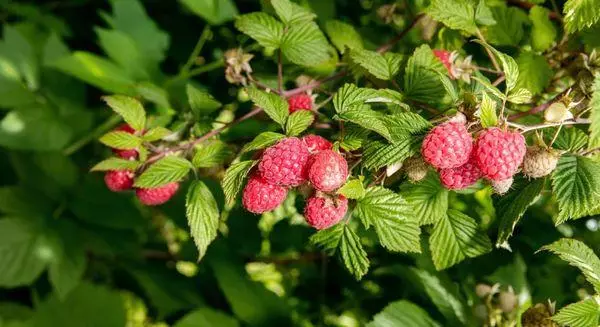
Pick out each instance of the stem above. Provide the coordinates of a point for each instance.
(525, 128)
(279, 72)
(196, 71)
(539, 108)
(388, 46)
(314, 84)
(197, 48)
(499, 80)
(488, 70)
(556, 134)
(489, 53)
(109, 124)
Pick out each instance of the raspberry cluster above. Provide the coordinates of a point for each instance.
(122, 180)
(300, 101)
(495, 155)
(293, 162)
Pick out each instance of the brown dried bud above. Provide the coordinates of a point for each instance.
(237, 62)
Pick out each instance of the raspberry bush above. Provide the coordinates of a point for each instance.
(300, 163)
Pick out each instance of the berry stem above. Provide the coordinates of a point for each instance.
(279, 72)
(525, 128)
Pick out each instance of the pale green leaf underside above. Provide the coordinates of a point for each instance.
(581, 14)
(202, 215)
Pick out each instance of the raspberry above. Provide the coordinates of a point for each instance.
(328, 171)
(322, 211)
(284, 164)
(461, 177)
(499, 153)
(300, 102)
(501, 187)
(260, 196)
(316, 143)
(444, 57)
(126, 154)
(539, 162)
(157, 196)
(415, 168)
(447, 146)
(119, 180)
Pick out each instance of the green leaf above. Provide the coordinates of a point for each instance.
(594, 105)
(207, 317)
(211, 154)
(483, 14)
(369, 119)
(156, 133)
(585, 313)
(378, 154)
(580, 14)
(304, 44)
(265, 29)
(234, 179)
(521, 95)
(67, 270)
(343, 35)
(115, 163)
(328, 239)
(534, 72)
(153, 94)
(120, 140)
(271, 103)
(509, 27)
(511, 207)
(509, 66)
(200, 101)
(291, 13)
(263, 140)
(487, 111)
(20, 201)
(121, 48)
(166, 170)
(342, 239)
(421, 81)
(17, 51)
(383, 66)
(571, 139)
(354, 137)
(298, 122)
(456, 237)
(402, 313)
(428, 200)
(579, 255)
(129, 108)
(202, 215)
(350, 97)
(576, 186)
(403, 124)
(353, 189)
(488, 86)
(456, 14)
(215, 12)
(389, 213)
(543, 32)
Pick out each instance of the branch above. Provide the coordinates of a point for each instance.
(488, 51)
(539, 108)
(529, 128)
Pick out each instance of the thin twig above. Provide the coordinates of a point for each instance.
(197, 48)
(488, 51)
(279, 72)
(541, 107)
(109, 124)
(529, 128)
(388, 46)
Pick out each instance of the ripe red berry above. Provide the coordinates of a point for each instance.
(301, 101)
(119, 180)
(328, 170)
(447, 146)
(285, 163)
(444, 57)
(260, 196)
(126, 154)
(316, 143)
(322, 212)
(460, 177)
(499, 153)
(157, 196)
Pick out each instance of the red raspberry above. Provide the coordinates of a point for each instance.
(301, 101)
(447, 146)
(126, 154)
(157, 196)
(119, 180)
(328, 170)
(316, 143)
(284, 164)
(322, 212)
(260, 196)
(460, 177)
(444, 57)
(499, 153)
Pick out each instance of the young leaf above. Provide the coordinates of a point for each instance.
(350, 97)
(511, 207)
(263, 140)
(298, 122)
(200, 101)
(456, 14)
(427, 200)
(166, 170)
(342, 239)
(202, 215)
(580, 14)
(353, 189)
(271, 103)
(211, 154)
(156, 133)
(579, 255)
(265, 29)
(543, 32)
(521, 95)
(487, 111)
(576, 185)
(234, 179)
(382, 66)
(304, 44)
(291, 13)
(403, 313)
(509, 66)
(343, 35)
(120, 140)
(456, 237)
(115, 163)
(421, 80)
(129, 108)
(585, 313)
(594, 105)
(534, 72)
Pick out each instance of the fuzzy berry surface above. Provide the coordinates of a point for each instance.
(126, 154)
(447, 146)
(328, 171)
(301, 101)
(119, 180)
(157, 196)
(322, 212)
(501, 187)
(539, 162)
(316, 143)
(444, 57)
(260, 196)
(461, 177)
(499, 153)
(285, 163)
